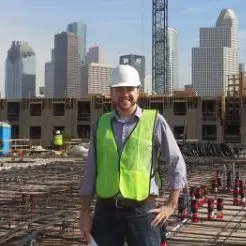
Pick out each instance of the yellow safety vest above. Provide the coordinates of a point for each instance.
(57, 140)
(128, 173)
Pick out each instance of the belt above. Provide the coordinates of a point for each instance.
(120, 202)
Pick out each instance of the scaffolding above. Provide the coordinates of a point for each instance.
(102, 104)
(233, 104)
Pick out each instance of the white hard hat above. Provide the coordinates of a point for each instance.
(58, 132)
(125, 75)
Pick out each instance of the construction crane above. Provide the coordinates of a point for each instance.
(159, 46)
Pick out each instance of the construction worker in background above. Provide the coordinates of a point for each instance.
(58, 140)
(122, 170)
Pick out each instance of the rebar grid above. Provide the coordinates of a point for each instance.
(40, 205)
(231, 230)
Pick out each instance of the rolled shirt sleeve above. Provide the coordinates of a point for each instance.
(171, 154)
(87, 187)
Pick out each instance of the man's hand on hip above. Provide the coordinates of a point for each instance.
(162, 214)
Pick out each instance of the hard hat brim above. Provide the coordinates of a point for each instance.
(126, 84)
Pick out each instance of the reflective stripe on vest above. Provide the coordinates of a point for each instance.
(129, 173)
(58, 140)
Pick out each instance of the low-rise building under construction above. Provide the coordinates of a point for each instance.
(221, 119)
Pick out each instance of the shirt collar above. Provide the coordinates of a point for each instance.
(137, 114)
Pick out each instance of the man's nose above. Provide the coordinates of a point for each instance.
(124, 91)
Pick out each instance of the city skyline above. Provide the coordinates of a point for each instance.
(111, 25)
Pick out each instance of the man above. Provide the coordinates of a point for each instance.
(122, 169)
(57, 140)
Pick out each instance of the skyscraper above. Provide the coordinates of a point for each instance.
(49, 77)
(217, 57)
(20, 71)
(95, 79)
(67, 71)
(79, 29)
(95, 55)
(173, 66)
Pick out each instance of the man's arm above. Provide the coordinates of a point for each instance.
(87, 191)
(173, 198)
(172, 156)
(87, 188)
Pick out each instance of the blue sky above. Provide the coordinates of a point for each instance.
(118, 26)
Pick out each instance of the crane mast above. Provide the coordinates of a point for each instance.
(159, 46)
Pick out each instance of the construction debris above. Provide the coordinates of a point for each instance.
(78, 150)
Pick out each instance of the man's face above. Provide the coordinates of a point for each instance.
(124, 97)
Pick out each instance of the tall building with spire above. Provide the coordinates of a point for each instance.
(217, 57)
(20, 71)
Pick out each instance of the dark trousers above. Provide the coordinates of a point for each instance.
(114, 226)
(57, 147)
